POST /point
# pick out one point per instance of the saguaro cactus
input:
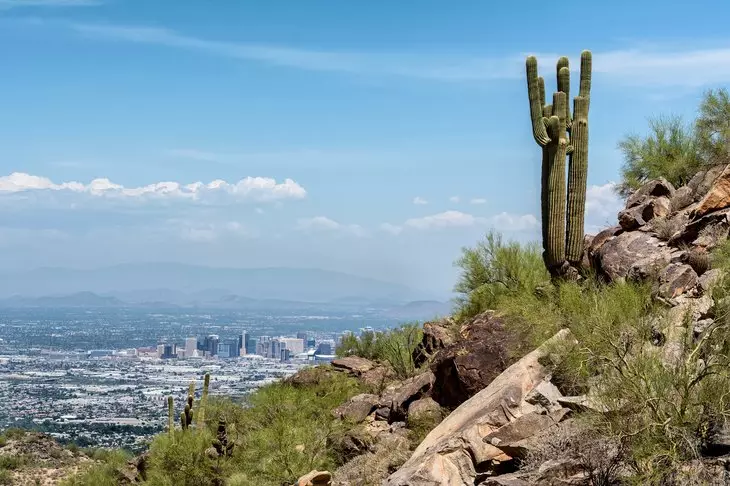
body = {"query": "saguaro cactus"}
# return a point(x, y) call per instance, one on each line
point(222, 445)
point(561, 135)
point(186, 416)
point(170, 416)
point(200, 421)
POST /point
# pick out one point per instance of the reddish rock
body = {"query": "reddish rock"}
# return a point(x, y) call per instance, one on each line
point(466, 367)
point(398, 396)
point(676, 279)
point(717, 197)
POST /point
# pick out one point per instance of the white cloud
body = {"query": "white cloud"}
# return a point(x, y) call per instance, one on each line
point(454, 199)
point(478, 200)
point(8, 4)
point(666, 65)
point(250, 188)
point(514, 222)
point(419, 201)
point(602, 207)
point(391, 228)
point(447, 219)
point(323, 223)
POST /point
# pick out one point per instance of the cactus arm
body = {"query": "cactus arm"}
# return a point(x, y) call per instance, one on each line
point(563, 72)
point(539, 130)
point(541, 87)
point(183, 421)
point(586, 65)
point(577, 181)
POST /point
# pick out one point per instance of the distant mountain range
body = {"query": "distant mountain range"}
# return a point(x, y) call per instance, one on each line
point(134, 281)
point(168, 285)
point(88, 300)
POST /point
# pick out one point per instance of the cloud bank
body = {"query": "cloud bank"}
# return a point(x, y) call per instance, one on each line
point(258, 189)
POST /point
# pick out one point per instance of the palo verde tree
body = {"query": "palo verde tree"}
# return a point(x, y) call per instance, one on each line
point(562, 135)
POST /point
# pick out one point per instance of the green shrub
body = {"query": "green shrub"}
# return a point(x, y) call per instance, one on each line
point(12, 462)
point(493, 269)
point(182, 460)
point(713, 127)
point(669, 150)
point(394, 346)
point(6, 477)
point(103, 473)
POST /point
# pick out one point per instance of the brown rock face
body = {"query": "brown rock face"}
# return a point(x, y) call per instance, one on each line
point(632, 254)
point(357, 408)
point(718, 196)
point(353, 365)
point(639, 215)
point(465, 367)
point(656, 188)
point(676, 279)
point(398, 396)
point(425, 408)
point(436, 336)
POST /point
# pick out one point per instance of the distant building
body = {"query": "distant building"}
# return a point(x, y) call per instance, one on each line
point(311, 343)
point(160, 350)
point(99, 353)
point(169, 351)
point(324, 348)
point(191, 345)
point(209, 346)
point(302, 335)
point(294, 345)
point(243, 343)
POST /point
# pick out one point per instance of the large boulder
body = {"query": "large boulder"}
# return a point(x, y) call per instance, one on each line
point(357, 408)
point(398, 396)
point(633, 254)
point(676, 279)
point(315, 478)
point(470, 364)
point(354, 365)
point(654, 188)
point(637, 216)
point(718, 195)
point(453, 452)
point(436, 336)
point(706, 231)
point(424, 409)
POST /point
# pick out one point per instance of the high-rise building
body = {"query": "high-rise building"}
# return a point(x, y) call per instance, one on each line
point(191, 345)
point(324, 348)
point(302, 335)
point(160, 350)
point(311, 343)
point(294, 345)
point(169, 351)
point(242, 343)
point(211, 345)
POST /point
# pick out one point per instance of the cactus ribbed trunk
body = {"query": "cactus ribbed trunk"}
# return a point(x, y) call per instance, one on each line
point(200, 417)
point(561, 135)
point(170, 417)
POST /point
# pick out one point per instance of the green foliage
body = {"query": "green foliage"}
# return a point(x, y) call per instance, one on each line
point(670, 150)
point(494, 269)
point(281, 433)
point(6, 477)
point(12, 462)
point(104, 473)
point(394, 346)
point(713, 127)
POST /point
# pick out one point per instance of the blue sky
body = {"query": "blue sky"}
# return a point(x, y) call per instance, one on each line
point(375, 138)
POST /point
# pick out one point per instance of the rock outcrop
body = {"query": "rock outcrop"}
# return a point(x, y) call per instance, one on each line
point(456, 449)
point(469, 364)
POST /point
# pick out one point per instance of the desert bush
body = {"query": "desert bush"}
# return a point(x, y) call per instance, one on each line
point(6, 477)
point(394, 347)
point(666, 227)
point(182, 460)
point(582, 442)
point(713, 127)
point(103, 473)
point(493, 269)
point(669, 150)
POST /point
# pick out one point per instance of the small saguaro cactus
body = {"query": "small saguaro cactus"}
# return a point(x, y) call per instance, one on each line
point(170, 416)
point(186, 416)
point(560, 135)
point(200, 420)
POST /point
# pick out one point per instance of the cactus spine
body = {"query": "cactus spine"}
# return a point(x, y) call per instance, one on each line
point(559, 135)
point(170, 417)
